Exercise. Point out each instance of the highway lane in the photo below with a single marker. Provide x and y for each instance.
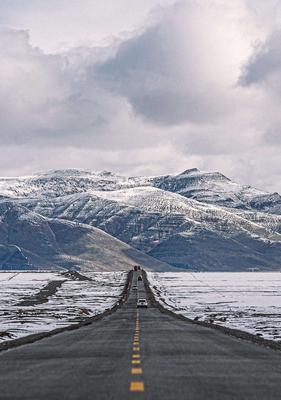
(140, 354)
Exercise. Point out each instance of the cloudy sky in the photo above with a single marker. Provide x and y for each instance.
(142, 87)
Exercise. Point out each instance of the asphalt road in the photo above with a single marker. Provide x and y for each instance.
(141, 354)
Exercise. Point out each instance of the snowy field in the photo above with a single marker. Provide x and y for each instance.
(72, 302)
(249, 302)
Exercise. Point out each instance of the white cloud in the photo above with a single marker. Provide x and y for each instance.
(56, 25)
(198, 85)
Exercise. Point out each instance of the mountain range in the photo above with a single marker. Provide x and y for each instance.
(83, 219)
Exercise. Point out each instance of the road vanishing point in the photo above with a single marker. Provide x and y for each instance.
(137, 353)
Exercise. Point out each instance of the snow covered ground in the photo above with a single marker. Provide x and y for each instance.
(72, 302)
(249, 302)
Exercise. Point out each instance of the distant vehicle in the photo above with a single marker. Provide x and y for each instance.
(135, 287)
(142, 303)
(135, 268)
(139, 278)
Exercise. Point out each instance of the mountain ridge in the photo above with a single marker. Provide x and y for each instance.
(207, 187)
(154, 215)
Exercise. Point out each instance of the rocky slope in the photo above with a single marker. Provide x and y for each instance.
(29, 240)
(174, 229)
(194, 220)
(11, 256)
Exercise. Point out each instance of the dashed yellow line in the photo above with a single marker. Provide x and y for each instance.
(137, 387)
(136, 371)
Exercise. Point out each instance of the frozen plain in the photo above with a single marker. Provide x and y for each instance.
(71, 303)
(248, 301)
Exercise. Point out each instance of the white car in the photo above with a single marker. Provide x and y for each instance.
(142, 303)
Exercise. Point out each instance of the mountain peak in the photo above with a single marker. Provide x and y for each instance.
(190, 171)
(64, 172)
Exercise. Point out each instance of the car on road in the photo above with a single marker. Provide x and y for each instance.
(134, 287)
(139, 278)
(142, 303)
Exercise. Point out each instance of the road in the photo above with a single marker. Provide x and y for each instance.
(141, 354)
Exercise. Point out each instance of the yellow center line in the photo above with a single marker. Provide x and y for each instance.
(136, 387)
(136, 371)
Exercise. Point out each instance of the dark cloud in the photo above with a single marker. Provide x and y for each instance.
(273, 136)
(45, 98)
(265, 63)
(156, 71)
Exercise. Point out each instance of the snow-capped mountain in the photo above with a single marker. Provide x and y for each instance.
(149, 219)
(196, 220)
(206, 187)
(64, 182)
(215, 188)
